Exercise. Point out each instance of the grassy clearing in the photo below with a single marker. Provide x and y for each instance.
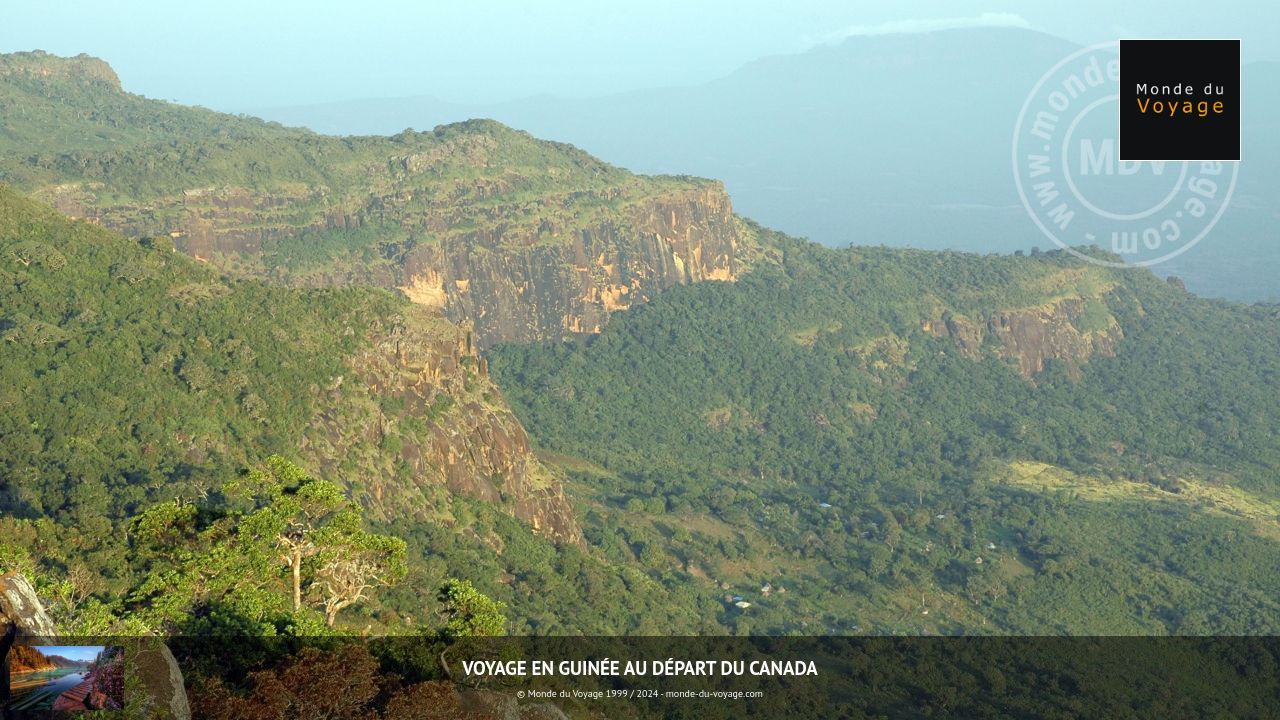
(1261, 512)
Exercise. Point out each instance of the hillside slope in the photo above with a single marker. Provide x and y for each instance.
(527, 239)
(909, 441)
(131, 375)
(26, 659)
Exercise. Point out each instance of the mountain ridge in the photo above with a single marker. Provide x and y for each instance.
(28, 658)
(43, 65)
(526, 239)
(399, 376)
(896, 440)
(900, 139)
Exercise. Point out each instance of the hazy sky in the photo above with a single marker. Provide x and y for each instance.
(241, 54)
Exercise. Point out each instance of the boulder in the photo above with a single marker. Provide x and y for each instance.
(153, 663)
(19, 605)
(489, 704)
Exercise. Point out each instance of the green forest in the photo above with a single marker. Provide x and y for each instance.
(136, 384)
(254, 385)
(863, 440)
(799, 430)
(70, 134)
(795, 441)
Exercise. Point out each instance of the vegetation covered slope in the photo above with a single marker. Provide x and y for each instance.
(132, 377)
(527, 239)
(909, 441)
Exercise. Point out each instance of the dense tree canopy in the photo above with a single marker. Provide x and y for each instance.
(801, 428)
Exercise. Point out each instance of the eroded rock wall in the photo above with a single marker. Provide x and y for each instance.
(419, 404)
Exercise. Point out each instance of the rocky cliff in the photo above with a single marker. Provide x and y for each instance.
(43, 67)
(20, 606)
(1068, 330)
(362, 387)
(528, 240)
(419, 404)
(564, 277)
(519, 268)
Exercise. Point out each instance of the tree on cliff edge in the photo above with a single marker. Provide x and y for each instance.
(230, 556)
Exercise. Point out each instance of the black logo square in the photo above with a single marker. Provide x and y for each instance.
(1179, 99)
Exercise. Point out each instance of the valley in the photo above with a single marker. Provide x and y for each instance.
(878, 463)
(586, 401)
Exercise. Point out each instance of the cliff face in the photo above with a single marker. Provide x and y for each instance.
(386, 397)
(529, 240)
(565, 278)
(528, 270)
(420, 405)
(1069, 330)
(20, 606)
(41, 66)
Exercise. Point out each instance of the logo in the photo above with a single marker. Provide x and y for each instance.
(1180, 99)
(1071, 180)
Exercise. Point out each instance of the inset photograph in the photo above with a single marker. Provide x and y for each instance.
(58, 681)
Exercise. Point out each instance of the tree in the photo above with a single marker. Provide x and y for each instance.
(313, 683)
(228, 557)
(305, 505)
(30, 252)
(467, 613)
(354, 562)
(312, 521)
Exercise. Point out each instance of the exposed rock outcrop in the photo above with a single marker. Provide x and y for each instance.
(158, 673)
(461, 219)
(514, 287)
(1054, 332)
(19, 605)
(516, 281)
(1031, 337)
(967, 334)
(40, 65)
(438, 422)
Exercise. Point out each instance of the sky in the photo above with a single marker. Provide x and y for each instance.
(72, 652)
(237, 55)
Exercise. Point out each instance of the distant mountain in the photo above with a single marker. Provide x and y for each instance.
(895, 139)
(65, 662)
